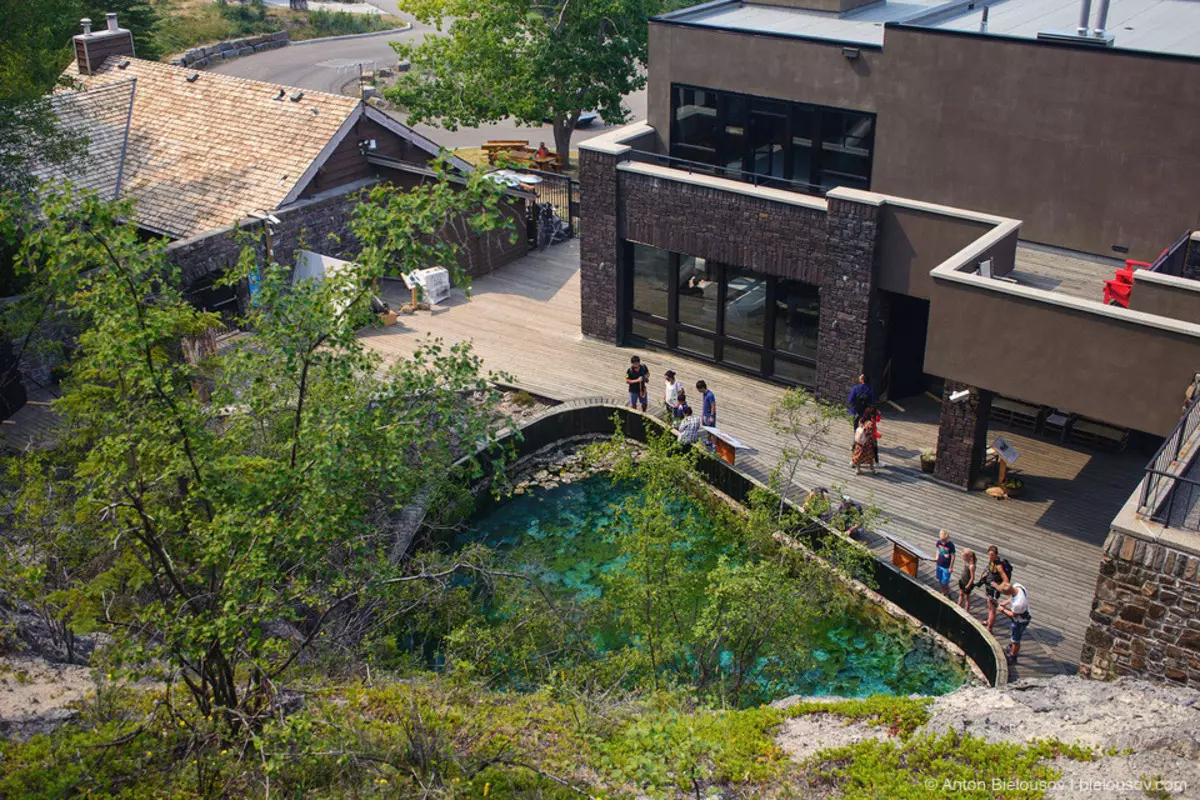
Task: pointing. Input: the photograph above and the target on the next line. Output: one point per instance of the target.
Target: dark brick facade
(599, 246)
(769, 237)
(962, 435)
(1145, 618)
(851, 308)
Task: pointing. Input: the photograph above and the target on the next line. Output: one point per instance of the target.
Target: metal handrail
(1170, 262)
(1160, 481)
(753, 178)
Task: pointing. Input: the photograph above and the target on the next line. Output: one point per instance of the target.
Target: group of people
(1003, 596)
(676, 408)
(866, 417)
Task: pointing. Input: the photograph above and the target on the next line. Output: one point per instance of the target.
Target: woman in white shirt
(671, 393)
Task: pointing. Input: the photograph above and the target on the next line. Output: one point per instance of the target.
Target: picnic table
(517, 149)
(905, 556)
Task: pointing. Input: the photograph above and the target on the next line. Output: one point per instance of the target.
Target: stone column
(599, 244)
(962, 435)
(850, 328)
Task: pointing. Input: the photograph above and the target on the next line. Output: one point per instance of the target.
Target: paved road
(325, 66)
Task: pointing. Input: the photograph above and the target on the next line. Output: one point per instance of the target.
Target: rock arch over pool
(594, 417)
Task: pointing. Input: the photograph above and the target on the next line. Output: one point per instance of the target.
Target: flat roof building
(934, 194)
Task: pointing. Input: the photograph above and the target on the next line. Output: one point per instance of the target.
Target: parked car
(585, 119)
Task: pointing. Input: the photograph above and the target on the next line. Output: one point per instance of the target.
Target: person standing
(671, 393)
(999, 573)
(966, 581)
(637, 378)
(1015, 606)
(945, 562)
(866, 442)
(708, 405)
(861, 397)
(681, 409)
(689, 429)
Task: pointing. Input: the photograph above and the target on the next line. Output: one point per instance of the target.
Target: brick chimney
(93, 47)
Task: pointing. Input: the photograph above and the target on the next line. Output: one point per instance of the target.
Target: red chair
(1117, 290)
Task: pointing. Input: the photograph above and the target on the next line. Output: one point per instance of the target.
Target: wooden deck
(1057, 270)
(524, 320)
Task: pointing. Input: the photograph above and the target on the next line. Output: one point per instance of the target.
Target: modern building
(930, 193)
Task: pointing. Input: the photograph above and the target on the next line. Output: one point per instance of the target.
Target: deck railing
(700, 168)
(1172, 259)
(1166, 484)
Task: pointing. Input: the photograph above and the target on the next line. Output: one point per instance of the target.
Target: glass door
(768, 144)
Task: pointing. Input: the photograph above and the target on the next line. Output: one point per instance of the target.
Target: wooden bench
(1014, 412)
(1094, 434)
(906, 557)
(726, 446)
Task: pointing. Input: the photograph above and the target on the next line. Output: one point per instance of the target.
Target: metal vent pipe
(1085, 11)
(111, 18)
(1101, 19)
(87, 25)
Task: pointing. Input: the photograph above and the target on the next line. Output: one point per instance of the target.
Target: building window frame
(721, 155)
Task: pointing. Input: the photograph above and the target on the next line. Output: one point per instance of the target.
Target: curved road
(326, 67)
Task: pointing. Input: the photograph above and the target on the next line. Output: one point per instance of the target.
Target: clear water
(563, 535)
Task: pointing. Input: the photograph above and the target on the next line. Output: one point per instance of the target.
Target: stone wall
(962, 435)
(767, 236)
(213, 54)
(1145, 618)
(323, 225)
(599, 245)
(851, 307)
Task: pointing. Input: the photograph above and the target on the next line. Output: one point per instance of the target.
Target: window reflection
(651, 280)
(745, 305)
(698, 293)
(797, 317)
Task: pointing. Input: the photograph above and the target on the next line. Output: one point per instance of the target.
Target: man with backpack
(861, 398)
(1015, 605)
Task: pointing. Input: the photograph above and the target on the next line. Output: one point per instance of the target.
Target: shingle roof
(204, 153)
(101, 117)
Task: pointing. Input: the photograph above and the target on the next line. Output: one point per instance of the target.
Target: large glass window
(745, 305)
(797, 314)
(751, 136)
(695, 116)
(651, 280)
(722, 313)
(698, 294)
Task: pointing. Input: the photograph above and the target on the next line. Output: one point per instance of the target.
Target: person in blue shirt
(861, 397)
(945, 562)
(708, 409)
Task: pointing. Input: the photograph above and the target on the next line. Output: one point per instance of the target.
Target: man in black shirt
(637, 378)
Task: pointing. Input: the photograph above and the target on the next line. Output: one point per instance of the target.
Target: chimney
(92, 48)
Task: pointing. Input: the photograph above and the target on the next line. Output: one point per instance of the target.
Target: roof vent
(123, 63)
(111, 19)
(297, 97)
(314, 110)
(87, 25)
(195, 76)
(281, 95)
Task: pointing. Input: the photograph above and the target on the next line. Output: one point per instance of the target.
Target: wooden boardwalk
(524, 320)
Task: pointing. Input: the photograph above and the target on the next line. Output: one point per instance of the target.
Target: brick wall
(598, 245)
(850, 304)
(962, 435)
(766, 236)
(1145, 618)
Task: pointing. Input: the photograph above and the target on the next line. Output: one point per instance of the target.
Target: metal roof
(1158, 26)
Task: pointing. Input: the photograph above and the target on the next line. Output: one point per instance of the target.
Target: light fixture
(851, 53)
(960, 395)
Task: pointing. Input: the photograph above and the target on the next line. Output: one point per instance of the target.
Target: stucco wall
(1178, 298)
(913, 242)
(1090, 147)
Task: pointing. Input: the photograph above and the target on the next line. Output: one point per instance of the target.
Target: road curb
(349, 36)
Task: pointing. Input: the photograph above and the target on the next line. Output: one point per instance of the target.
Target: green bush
(343, 23)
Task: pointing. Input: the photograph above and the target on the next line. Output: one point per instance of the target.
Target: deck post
(962, 435)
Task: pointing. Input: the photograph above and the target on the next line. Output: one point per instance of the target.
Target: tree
(220, 539)
(804, 422)
(525, 59)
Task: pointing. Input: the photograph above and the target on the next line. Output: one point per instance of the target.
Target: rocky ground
(36, 695)
(1146, 733)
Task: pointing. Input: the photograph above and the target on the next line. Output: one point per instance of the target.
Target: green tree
(804, 423)
(222, 539)
(525, 59)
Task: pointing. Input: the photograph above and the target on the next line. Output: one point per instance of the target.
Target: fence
(1166, 485)
(560, 191)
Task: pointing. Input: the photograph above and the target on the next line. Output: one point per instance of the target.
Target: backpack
(1007, 571)
(861, 435)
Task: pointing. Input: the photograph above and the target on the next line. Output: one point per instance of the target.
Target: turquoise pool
(565, 538)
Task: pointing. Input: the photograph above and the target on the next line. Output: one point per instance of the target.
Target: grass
(185, 24)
